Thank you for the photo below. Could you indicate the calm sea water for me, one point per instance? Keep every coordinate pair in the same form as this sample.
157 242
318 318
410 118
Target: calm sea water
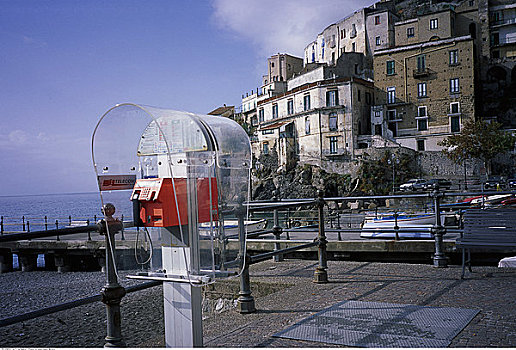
80 206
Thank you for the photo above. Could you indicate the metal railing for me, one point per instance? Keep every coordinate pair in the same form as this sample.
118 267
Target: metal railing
112 292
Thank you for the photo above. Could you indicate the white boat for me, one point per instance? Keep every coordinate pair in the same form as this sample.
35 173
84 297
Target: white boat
231 226
420 223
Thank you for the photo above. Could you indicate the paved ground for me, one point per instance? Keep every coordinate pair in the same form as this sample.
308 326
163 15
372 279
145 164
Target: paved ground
284 295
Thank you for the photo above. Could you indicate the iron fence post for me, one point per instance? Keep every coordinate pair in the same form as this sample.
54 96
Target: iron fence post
2 225
321 275
46 223
23 223
339 234
277 231
396 227
440 259
57 226
112 292
245 301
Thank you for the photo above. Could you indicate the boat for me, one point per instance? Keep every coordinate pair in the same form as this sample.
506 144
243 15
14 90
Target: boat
231 226
411 225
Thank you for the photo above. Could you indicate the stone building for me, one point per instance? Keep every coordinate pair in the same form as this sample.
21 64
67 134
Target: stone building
364 31
424 92
317 119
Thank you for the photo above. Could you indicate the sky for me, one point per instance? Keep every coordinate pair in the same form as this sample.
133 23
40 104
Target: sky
64 63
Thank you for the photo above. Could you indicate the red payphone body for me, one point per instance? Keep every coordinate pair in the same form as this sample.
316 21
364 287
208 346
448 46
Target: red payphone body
158 204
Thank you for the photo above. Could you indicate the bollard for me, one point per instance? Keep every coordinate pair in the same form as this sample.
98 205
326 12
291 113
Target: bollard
438 230
23 223
113 292
69 220
245 301
321 275
277 231
2 226
28 226
46 223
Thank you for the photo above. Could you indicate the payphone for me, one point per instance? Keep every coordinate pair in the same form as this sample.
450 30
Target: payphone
179 177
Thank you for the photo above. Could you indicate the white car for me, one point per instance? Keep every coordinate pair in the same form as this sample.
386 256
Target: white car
409 185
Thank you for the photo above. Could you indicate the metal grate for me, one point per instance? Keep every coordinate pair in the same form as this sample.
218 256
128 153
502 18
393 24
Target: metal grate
370 324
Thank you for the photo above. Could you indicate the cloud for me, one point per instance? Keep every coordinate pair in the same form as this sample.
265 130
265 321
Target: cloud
17 137
30 41
285 26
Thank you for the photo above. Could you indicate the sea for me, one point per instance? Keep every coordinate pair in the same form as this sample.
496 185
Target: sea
32 210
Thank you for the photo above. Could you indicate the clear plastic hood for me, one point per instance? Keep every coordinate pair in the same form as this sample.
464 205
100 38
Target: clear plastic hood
177 181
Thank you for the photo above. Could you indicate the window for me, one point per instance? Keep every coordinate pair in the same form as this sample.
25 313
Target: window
421 63
290 106
420 145
368 98
421 90
353 47
391 94
333 145
331 98
421 112
261 117
358 96
495 54
357 70
307 125
471 2
495 39
332 121
377 20
454 57
390 67
342 33
306 102
454 108
265 149
434 24
275 111
378 41
391 114
455 124
422 124
254 121
410 32
454 86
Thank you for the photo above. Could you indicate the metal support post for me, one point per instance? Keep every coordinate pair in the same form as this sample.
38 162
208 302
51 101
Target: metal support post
321 275
245 301
396 227
277 232
440 260
113 292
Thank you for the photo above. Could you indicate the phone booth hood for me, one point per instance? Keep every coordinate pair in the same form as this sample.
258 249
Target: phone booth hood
182 178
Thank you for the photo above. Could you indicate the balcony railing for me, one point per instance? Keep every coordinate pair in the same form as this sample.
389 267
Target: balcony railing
420 73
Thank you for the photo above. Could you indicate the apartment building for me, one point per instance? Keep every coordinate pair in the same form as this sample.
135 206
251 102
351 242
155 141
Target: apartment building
364 31
424 91
317 119
502 25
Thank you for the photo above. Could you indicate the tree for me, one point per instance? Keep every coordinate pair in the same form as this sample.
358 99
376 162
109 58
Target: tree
478 139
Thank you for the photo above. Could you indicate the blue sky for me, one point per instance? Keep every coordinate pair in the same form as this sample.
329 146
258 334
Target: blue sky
64 63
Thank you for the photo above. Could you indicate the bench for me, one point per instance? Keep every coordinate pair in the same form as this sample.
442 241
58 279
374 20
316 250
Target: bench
486 230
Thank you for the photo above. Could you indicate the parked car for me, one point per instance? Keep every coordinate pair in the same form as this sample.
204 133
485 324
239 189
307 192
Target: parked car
433 183
494 181
511 183
420 186
409 185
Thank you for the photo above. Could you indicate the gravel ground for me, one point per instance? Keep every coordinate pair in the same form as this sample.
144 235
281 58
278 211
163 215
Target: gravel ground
284 295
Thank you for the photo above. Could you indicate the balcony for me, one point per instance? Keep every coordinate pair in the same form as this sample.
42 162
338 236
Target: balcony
503 22
421 73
